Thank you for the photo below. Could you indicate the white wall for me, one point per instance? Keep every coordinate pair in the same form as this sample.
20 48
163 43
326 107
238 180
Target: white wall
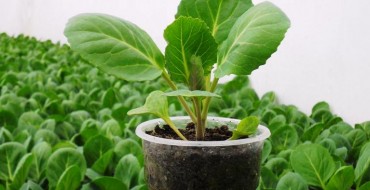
323 57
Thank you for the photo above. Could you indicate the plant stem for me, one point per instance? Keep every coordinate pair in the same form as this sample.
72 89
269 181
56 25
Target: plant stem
181 99
206 103
174 128
199 127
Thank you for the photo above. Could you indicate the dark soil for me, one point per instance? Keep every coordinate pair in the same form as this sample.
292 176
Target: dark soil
211 134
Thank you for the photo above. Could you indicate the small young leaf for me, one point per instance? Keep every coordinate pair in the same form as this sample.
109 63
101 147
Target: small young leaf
292 181
195 93
342 179
156 103
246 127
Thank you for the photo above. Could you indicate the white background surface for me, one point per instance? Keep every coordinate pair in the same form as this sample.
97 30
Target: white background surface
325 55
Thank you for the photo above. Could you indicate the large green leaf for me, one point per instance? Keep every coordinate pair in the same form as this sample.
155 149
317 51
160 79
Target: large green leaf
60 161
292 181
252 40
11 153
220 15
187 39
342 179
115 46
70 179
314 163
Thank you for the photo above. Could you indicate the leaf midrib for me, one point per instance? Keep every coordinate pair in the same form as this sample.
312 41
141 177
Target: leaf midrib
314 168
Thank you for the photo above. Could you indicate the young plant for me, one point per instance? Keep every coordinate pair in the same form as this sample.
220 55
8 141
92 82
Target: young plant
227 37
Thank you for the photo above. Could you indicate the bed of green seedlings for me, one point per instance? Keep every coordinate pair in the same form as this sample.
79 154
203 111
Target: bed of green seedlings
63 125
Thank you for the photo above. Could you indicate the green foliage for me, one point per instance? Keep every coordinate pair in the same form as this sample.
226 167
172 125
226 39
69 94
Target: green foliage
235 36
48 72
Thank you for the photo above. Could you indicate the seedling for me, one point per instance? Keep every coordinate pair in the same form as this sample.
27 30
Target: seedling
223 37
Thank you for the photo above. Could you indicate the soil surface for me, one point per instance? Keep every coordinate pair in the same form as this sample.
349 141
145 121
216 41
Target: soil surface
211 134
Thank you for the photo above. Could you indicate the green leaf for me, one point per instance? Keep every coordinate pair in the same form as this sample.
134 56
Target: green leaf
60 161
363 165
128 170
268 179
115 46
252 40
11 153
70 179
95 147
30 185
194 93
111 128
21 173
90 128
219 15
246 127
365 186
42 152
266 150
312 132
292 181
277 165
314 163
356 138
129 146
103 162
188 37
108 183
156 103
284 138
342 179
109 98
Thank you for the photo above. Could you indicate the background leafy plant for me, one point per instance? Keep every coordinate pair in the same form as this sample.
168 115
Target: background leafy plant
53 104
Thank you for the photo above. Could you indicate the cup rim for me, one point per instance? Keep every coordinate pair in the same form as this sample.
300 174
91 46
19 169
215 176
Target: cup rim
262 134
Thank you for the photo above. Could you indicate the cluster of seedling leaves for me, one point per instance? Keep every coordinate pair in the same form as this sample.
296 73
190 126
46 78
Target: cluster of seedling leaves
63 125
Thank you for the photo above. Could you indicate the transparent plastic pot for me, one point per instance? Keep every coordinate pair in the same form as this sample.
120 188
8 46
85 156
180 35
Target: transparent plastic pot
200 165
